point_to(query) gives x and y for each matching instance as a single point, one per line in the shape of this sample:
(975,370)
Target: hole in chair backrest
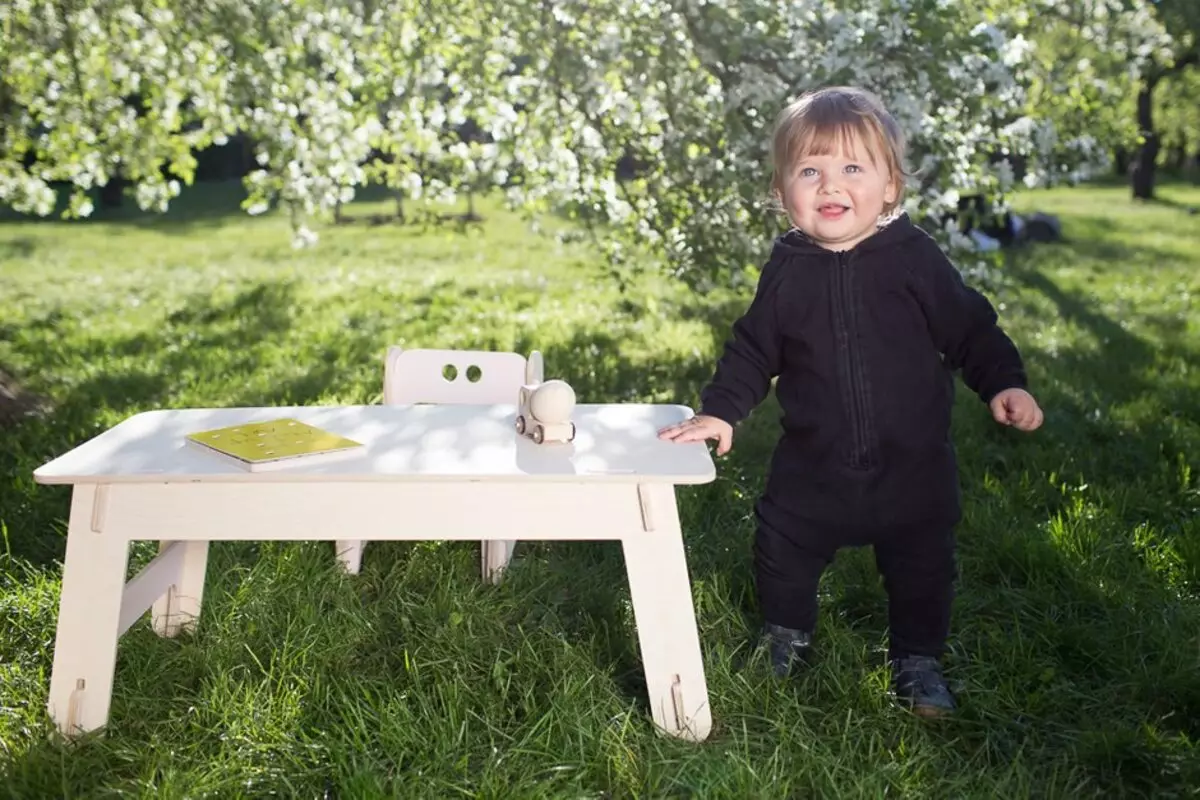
(450,372)
(474,373)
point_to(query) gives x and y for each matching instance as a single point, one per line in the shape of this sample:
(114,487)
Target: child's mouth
(832,211)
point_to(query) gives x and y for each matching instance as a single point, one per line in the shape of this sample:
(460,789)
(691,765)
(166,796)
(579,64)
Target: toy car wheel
(520,424)
(539,435)
(572,438)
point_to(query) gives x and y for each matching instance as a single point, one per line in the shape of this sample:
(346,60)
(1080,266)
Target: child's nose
(829,183)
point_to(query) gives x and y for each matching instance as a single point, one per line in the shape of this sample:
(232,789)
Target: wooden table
(433,471)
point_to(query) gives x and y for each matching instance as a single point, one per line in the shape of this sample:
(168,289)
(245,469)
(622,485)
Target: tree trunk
(112,193)
(1121,162)
(249,161)
(1147,155)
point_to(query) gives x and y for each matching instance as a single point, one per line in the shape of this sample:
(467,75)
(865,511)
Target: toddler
(863,320)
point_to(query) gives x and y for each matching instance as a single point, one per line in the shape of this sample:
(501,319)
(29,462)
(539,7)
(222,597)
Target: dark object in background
(975,213)
(1041,227)
(113,193)
(991,230)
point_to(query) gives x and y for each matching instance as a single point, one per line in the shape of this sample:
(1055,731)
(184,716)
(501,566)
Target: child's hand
(700,428)
(1017,407)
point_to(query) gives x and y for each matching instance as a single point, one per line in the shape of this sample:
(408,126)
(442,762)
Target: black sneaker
(789,648)
(918,683)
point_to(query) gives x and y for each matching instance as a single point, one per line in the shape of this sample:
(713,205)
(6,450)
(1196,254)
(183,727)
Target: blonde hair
(827,120)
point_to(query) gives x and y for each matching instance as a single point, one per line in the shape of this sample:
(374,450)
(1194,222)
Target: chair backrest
(457,377)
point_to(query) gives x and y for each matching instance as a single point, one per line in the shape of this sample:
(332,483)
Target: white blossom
(677,95)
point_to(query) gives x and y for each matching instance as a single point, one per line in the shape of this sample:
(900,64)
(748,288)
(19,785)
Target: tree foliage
(1100,69)
(648,118)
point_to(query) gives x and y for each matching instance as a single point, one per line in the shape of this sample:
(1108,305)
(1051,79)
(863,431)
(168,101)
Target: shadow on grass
(210,337)
(1092,238)
(211,204)
(1170,202)
(1105,634)
(1088,547)
(20,247)
(1119,368)
(218,336)
(151,367)
(1102,622)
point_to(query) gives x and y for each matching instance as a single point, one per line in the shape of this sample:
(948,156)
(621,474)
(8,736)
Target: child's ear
(776,195)
(891,191)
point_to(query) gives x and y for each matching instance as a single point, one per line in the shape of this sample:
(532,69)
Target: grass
(1076,642)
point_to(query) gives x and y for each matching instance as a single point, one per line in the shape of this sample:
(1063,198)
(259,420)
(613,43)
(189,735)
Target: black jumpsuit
(864,344)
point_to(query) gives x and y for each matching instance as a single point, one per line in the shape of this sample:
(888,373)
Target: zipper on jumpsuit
(850,355)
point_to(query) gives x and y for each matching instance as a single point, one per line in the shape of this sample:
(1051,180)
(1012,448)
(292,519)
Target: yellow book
(273,444)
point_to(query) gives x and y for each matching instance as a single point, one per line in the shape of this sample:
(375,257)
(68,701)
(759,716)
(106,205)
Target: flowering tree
(1100,63)
(1182,19)
(100,91)
(649,119)
(340,95)
(686,92)
(1178,117)
(334,94)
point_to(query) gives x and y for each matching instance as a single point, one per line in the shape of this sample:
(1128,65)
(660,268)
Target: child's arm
(751,356)
(744,372)
(965,328)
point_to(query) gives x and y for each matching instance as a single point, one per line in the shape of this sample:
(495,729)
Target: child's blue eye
(808,172)
(853,168)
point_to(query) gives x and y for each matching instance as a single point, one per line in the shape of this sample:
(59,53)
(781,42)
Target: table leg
(350,553)
(85,644)
(666,619)
(496,555)
(179,608)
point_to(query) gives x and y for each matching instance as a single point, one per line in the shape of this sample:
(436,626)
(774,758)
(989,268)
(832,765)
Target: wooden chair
(458,377)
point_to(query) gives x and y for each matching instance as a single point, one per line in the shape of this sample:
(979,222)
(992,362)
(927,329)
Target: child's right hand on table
(700,428)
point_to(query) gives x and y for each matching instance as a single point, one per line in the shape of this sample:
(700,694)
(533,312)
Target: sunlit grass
(1076,632)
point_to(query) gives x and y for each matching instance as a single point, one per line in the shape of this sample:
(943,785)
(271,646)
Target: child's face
(836,199)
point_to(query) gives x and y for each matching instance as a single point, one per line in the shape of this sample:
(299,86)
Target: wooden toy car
(544,411)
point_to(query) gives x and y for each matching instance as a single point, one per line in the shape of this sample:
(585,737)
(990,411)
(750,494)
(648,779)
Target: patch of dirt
(16,403)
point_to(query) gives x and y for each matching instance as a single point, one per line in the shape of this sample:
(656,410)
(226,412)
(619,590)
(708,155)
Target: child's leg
(919,570)
(790,553)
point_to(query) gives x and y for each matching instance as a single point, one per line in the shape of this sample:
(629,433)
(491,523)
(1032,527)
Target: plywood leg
(350,553)
(496,555)
(85,644)
(179,608)
(666,619)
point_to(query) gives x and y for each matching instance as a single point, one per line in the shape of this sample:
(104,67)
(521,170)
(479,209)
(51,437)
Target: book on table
(274,444)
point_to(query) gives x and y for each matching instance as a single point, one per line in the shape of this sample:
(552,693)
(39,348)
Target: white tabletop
(403,442)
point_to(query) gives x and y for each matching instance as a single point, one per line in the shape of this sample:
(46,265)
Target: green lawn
(1076,645)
